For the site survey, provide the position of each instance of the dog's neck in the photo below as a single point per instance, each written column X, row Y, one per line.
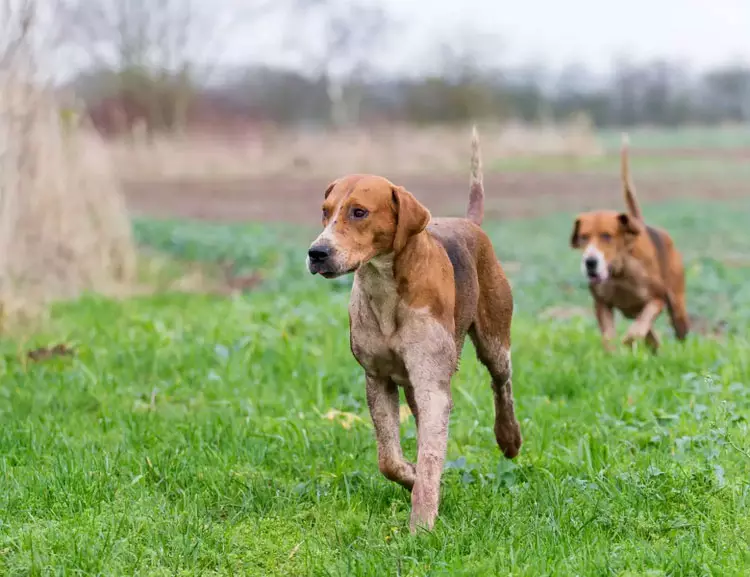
column 377, row 273
column 375, row 279
column 384, row 272
column 623, row 263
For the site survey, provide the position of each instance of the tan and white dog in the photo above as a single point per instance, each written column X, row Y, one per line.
column 632, row 267
column 421, row 284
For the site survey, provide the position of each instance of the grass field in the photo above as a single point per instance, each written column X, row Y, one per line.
column 193, row 434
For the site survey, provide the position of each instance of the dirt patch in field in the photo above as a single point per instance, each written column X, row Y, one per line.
column 518, row 195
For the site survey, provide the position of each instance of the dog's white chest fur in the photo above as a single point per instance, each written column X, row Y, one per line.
column 378, row 288
column 385, row 329
column 374, row 318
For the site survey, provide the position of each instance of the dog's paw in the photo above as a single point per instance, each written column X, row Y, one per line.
column 631, row 337
column 508, row 436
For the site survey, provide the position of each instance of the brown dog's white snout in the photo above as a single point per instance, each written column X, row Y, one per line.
column 631, row 267
column 594, row 265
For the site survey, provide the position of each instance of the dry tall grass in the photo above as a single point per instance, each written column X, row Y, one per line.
column 64, row 227
column 387, row 150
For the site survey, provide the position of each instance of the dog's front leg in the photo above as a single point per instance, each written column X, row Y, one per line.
column 433, row 402
column 382, row 399
column 643, row 323
column 605, row 316
column 428, row 350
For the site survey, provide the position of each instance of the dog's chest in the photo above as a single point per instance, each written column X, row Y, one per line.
column 374, row 323
column 629, row 295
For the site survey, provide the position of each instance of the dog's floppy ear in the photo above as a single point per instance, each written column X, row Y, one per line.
column 329, row 189
column 629, row 224
column 575, row 242
column 411, row 217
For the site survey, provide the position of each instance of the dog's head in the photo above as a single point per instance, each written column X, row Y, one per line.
column 605, row 238
column 363, row 217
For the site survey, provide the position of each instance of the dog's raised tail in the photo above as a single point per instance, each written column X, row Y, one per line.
column 475, row 210
column 627, row 184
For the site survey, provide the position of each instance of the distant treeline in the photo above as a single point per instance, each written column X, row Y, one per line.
column 655, row 93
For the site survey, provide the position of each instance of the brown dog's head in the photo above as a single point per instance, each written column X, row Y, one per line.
column 363, row 217
column 605, row 237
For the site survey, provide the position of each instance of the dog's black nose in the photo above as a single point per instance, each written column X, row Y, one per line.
column 591, row 263
column 319, row 253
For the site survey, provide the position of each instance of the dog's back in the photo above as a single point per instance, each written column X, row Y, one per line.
column 471, row 252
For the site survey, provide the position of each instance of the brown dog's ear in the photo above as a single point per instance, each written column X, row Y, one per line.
column 411, row 217
column 629, row 224
column 575, row 242
column 329, row 189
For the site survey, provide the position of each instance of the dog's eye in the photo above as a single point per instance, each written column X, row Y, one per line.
column 359, row 213
column 606, row 237
column 584, row 238
column 324, row 214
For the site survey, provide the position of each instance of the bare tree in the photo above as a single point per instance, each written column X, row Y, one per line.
column 16, row 20
column 158, row 49
column 24, row 35
column 339, row 40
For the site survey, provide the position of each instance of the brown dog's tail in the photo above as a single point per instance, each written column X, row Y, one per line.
column 627, row 184
column 475, row 211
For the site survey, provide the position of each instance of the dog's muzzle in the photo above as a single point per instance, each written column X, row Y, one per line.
column 318, row 257
column 321, row 259
column 594, row 266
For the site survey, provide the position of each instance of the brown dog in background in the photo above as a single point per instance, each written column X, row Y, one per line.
column 421, row 284
column 632, row 267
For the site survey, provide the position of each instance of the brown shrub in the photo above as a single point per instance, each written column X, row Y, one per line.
column 64, row 227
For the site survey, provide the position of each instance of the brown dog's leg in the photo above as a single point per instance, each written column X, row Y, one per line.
column 433, row 403
column 679, row 316
column 652, row 340
column 496, row 356
column 644, row 322
column 605, row 316
column 382, row 399
column 412, row 402
column 490, row 334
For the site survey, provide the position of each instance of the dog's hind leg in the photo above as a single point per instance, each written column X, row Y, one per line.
column 497, row 358
column 678, row 315
column 490, row 334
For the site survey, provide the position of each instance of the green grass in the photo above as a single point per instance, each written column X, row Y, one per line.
column 188, row 435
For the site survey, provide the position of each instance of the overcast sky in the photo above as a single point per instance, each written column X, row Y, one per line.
column 553, row 33
column 701, row 33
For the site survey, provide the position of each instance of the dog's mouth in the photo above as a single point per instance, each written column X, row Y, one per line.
column 597, row 278
column 331, row 274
